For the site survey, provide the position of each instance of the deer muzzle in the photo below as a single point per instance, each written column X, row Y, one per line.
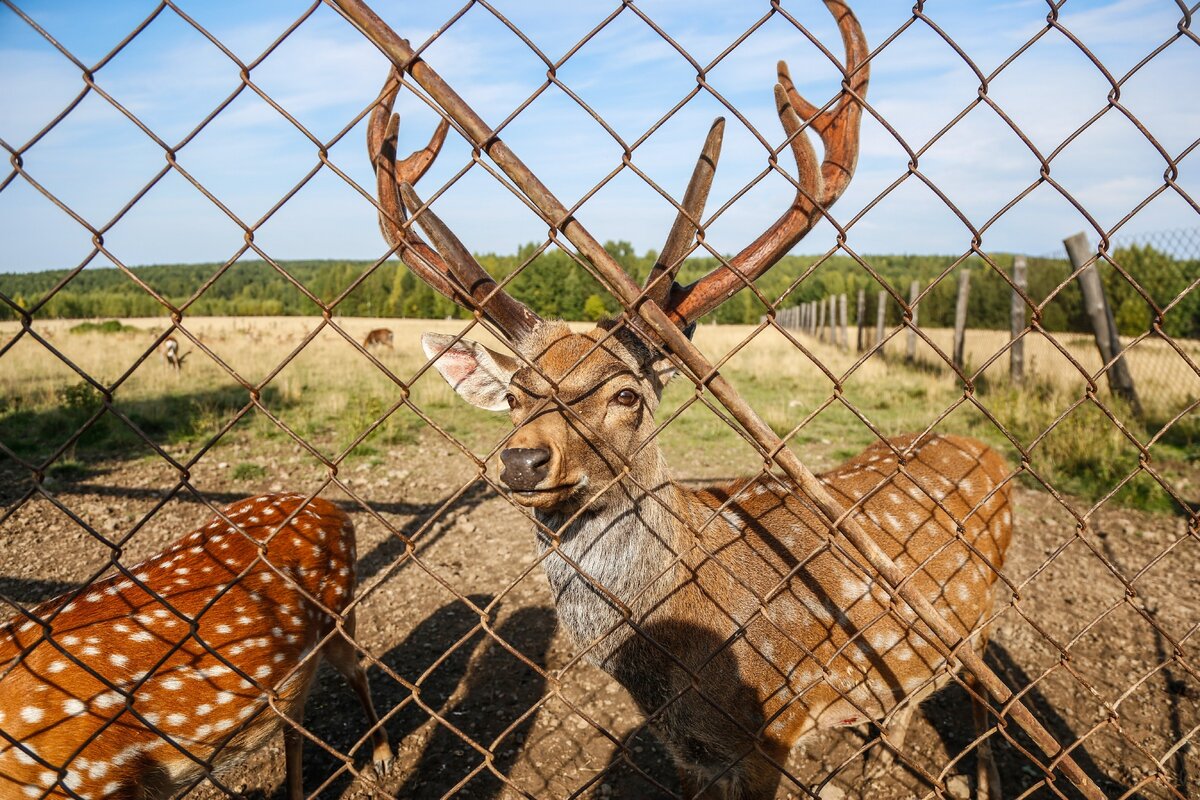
column 525, row 467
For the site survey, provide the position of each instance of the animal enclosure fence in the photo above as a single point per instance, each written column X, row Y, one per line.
column 1090, row 680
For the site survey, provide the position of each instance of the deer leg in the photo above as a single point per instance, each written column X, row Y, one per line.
column 293, row 750
column 895, row 733
column 344, row 658
column 987, row 777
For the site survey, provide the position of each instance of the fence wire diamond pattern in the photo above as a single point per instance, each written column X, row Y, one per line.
column 186, row 542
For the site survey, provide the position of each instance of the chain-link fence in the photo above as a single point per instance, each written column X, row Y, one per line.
column 547, row 609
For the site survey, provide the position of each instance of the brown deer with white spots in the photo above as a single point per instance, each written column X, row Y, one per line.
column 380, row 337
column 147, row 681
column 733, row 614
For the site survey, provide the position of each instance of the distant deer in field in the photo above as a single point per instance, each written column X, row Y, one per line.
column 735, row 617
column 171, row 355
column 129, row 688
column 380, row 337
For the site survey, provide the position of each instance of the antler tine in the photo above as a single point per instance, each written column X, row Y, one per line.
column 511, row 315
column 819, row 188
column 687, row 221
column 457, row 275
column 382, row 131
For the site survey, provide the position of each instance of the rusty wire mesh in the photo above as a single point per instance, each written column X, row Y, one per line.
column 1096, row 633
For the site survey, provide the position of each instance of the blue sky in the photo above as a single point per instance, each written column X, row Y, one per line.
column 171, row 78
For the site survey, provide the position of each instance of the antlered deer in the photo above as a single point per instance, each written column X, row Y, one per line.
column 733, row 614
column 381, row 337
column 171, row 355
column 147, row 681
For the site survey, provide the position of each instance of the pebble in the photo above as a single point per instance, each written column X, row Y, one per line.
column 958, row 787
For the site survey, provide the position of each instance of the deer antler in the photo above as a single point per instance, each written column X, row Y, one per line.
column 450, row 269
column 687, row 221
column 818, row 188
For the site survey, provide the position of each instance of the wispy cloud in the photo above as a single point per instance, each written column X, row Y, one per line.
column 325, row 74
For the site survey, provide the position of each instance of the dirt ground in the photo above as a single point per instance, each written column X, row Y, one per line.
column 551, row 727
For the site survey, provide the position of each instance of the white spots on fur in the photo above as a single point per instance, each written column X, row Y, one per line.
column 172, row 684
column 90, row 650
column 203, row 709
column 56, row 667
column 223, row 628
column 32, row 714
column 854, row 589
column 141, row 636
column 734, row 519
column 176, row 720
column 73, row 706
column 108, row 699
column 69, row 641
column 883, row 641
column 118, row 659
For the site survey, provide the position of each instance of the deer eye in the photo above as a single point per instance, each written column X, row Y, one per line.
column 626, row 397
column 511, row 399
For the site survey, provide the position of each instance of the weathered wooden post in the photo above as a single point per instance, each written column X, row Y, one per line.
column 843, row 339
column 880, row 316
column 960, row 315
column 831, row 319
column 861, row 318
column 1016, row 352
column 821, row 320
column 1120, row 381
column 914, row 290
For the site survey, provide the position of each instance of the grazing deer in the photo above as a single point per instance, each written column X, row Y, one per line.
column 171, row 355
column 381, row 337
column 734, row 616
column 152, row 678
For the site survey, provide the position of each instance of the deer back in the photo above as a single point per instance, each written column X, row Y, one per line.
column 787, row 628
column 145, row 680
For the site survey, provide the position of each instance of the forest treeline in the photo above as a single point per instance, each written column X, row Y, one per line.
column 555, row 285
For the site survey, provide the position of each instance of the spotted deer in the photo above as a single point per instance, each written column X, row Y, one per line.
column 738, row 620
column 171, row 355
column 379, row 337
column 183, row 665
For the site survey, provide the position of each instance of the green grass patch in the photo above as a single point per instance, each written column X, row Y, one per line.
column 107, row 326
column 248, row 471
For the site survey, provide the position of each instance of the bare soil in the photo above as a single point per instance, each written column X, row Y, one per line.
column 482, row 696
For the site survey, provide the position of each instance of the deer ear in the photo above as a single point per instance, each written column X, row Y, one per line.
column 479, row 375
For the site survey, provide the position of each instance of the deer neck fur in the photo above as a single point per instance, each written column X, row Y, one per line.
column 617, row 553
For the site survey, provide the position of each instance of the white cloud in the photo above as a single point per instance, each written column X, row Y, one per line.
column 325, row 74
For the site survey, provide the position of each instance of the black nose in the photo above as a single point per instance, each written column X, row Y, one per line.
column 524, row 467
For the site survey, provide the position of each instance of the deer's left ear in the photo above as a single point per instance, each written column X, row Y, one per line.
column 479, row 375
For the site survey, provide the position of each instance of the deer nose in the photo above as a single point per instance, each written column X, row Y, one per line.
column 524, row 467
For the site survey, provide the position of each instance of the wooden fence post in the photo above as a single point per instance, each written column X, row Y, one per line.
column 960, row 315
column 880, row 316
column 1016, row 352
column 832, row 319
column 860, row 315
column 843, row 339
column 1120, row 381
column 821, row 320
column 914, row 289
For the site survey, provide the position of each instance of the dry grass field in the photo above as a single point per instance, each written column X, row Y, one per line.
column 448, row 569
